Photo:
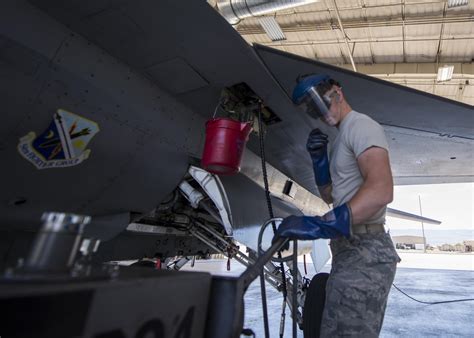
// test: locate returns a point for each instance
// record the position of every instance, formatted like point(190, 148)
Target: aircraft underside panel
point(141, 140)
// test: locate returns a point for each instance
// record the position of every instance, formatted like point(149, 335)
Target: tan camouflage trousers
point(362, 273)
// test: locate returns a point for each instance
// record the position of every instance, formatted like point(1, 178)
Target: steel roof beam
point(438, 53)
point(372, 57)
point(341, 27)
point(332, 29)
point(403, 30)
point(461, 68)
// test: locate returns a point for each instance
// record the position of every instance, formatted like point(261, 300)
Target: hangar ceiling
point(403, 41)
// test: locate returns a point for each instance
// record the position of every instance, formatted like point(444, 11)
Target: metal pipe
point(57, 242)
point(235, 10)
point(249, 275)
point(438, 51)
point(363, 6)
point(353, 24)
point(345, 36)
point(330, 42)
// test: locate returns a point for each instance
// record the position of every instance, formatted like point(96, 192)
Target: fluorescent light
point(445, 73)
point(457, 3)
point(272, 28)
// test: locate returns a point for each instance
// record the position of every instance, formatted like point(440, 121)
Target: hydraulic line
point(295, 285)
point(210, 237)
point(270, 211)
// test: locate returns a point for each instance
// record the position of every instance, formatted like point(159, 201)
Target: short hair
point(325, 86)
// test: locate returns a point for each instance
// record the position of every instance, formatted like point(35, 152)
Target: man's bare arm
point(377, 190)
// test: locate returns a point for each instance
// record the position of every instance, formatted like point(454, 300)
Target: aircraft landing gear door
point(214, 189)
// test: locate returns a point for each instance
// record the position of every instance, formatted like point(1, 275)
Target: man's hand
point(333, 224)
point(317, 148)
point(317, 144)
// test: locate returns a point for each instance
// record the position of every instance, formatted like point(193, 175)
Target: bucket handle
point(215, 110)
point(219, 105)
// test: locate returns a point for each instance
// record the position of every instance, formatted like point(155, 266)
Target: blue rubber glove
point(318, 150)
point(333, 224)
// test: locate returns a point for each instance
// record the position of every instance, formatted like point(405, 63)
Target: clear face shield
point(307, 98)
point(315, 105)
point(318, 106)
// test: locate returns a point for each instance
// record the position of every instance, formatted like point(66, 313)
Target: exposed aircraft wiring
point(433, 303)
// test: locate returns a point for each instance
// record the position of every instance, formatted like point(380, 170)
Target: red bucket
point(225, 143)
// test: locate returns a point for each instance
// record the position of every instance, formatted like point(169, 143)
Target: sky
point(452, 204)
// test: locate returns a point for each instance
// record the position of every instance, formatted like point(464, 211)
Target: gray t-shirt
point(357, 133)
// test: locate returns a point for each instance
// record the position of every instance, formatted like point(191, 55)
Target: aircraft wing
point(410, 217)
point(430, 137)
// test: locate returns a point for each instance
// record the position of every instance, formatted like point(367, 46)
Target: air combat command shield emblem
point(62, 144)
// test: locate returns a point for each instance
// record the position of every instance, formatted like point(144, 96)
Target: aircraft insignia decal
point(62, 144)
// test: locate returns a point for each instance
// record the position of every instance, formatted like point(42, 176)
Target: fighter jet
point(105, 105)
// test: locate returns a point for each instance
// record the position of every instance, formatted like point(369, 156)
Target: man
point(358, 181)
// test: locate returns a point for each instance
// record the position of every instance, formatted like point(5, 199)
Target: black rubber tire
point(314, 305)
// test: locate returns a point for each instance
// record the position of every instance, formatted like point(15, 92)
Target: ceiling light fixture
point(445, 73)
point(272, 28)
point(457, 3)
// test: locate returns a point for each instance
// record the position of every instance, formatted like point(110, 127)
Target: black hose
point(434, 303)
point(262, 273)
point(295, 285)
point(270, 212)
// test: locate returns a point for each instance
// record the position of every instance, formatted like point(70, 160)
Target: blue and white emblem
point(62, 144)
